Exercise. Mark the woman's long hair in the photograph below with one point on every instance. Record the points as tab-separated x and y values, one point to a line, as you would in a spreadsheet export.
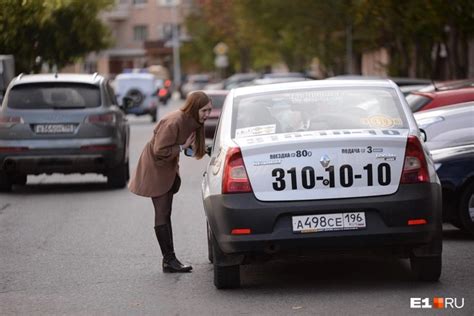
194	102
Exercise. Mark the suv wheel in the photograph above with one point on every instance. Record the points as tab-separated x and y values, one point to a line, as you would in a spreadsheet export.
5	182
466	209
117	177
426	268
225	277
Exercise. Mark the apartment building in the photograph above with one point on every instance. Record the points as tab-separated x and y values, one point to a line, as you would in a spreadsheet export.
142	31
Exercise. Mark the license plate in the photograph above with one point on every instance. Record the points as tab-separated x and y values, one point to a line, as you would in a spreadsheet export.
328	222
54	128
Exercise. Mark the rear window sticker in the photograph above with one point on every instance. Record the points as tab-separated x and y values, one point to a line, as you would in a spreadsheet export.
381	121
255	130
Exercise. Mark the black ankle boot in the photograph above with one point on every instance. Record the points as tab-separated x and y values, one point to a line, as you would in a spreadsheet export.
170	262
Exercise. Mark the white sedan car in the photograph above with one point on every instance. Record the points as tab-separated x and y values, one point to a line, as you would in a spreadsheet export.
320	165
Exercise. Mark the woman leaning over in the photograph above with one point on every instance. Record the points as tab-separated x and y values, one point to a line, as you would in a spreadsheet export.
157	173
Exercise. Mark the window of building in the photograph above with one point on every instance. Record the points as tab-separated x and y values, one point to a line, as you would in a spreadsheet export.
140	33
135	2
168	3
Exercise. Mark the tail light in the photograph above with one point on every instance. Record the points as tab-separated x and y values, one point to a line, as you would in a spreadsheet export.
162	93
415	168
235	178
101	119
12	149
9	121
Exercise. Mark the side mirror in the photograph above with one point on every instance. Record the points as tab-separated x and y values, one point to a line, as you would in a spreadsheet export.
189	152
423	135
127	102
208	150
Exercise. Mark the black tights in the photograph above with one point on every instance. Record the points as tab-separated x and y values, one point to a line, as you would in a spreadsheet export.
163	205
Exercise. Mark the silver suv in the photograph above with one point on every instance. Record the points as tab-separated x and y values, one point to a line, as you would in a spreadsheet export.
62	123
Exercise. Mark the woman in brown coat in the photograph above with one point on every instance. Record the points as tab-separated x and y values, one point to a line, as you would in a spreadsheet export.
157	173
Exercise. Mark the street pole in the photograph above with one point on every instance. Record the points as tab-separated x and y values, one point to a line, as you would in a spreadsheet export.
349	67
176	61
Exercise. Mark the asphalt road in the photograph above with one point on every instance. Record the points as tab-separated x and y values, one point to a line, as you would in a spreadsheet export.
69	245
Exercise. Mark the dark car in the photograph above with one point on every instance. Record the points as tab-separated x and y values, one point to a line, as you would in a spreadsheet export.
193	83
316	166
450	137
62	123
455	168
218	98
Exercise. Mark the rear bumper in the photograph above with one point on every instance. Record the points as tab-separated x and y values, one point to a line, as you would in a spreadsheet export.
74	156
271	222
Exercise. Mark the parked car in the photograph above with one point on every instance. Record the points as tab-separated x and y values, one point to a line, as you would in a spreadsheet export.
62	123
239	79
450	136
193	83
455	167
315	166
143	89
217	98
400	81
425	100
448	126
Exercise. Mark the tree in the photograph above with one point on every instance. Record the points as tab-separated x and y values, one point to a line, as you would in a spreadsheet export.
56	32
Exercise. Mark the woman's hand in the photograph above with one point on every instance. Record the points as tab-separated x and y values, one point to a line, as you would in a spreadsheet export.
190	140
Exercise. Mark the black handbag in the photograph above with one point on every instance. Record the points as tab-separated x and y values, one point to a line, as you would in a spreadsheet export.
176	184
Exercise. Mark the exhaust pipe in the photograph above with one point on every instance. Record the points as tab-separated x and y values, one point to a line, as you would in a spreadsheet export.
271	248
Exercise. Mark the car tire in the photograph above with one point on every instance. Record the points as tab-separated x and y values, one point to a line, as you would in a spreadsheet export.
225	277
466	206
6	182
117	177
137	97
154	118
426	268
210	255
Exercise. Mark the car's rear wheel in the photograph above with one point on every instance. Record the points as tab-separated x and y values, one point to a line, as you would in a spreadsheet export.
117	177
225	277
6	182
154	117
466	209
426	268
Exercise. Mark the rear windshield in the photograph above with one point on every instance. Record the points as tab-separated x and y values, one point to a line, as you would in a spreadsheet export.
54	96
317	109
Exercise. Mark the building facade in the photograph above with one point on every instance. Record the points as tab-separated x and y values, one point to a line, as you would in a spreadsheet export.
142	31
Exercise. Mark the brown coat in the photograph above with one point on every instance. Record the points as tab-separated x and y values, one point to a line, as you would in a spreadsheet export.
158	163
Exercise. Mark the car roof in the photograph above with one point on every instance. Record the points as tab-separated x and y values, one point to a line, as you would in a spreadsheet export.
313	84
400	81
58	77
